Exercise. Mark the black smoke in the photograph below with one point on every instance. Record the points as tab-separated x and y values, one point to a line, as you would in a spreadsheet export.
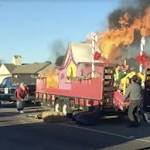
143	4
115	16
134	8
57	50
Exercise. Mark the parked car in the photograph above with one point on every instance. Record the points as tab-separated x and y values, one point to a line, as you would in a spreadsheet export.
7	90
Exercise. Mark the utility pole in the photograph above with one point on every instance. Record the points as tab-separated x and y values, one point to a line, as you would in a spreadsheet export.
141	53
94	41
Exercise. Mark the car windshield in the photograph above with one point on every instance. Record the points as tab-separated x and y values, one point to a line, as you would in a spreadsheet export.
7	82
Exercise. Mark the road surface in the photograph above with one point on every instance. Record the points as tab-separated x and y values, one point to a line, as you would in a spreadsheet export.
23	132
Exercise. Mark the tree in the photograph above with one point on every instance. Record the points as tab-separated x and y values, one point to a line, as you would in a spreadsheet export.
49	62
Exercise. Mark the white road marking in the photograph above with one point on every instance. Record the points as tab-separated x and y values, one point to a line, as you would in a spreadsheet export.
98	131
143	140
106	133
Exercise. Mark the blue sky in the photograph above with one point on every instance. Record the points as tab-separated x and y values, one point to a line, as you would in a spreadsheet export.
31	28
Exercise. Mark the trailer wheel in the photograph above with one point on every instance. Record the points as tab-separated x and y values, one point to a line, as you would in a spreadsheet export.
65	109
57	106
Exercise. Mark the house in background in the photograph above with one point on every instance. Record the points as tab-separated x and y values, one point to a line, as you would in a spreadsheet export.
47	71
17	60
6	71
28	73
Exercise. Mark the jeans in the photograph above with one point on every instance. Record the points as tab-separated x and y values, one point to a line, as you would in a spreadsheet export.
20	105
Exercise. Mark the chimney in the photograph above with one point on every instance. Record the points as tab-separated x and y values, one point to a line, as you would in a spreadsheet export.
17	60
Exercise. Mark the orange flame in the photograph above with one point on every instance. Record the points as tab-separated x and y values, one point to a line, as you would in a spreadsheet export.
52	79
111	41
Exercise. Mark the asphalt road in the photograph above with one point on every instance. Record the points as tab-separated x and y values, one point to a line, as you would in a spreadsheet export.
22	132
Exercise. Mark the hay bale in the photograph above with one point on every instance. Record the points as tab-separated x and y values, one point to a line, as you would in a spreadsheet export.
51	113
38	116
50	116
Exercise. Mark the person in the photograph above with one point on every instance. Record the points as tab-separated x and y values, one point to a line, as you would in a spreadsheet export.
20	94
134	94
142	110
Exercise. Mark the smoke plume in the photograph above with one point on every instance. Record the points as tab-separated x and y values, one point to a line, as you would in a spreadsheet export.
57	49
127	25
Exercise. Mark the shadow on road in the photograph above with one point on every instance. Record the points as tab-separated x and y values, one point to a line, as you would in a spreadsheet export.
13	104
8	114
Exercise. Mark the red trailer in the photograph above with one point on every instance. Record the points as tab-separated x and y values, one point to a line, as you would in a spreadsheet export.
82	93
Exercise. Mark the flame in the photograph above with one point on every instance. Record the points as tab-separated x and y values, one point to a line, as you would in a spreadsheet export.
111	41
52	79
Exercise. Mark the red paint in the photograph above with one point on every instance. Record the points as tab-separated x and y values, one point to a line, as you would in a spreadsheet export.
143	59
97	55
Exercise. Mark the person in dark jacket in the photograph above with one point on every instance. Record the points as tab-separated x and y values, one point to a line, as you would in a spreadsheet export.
20	93
134	94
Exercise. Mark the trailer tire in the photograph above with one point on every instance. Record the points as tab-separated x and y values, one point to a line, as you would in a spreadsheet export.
57	106
64	109
67	109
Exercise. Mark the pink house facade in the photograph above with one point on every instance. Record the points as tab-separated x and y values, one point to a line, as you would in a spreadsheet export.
77	65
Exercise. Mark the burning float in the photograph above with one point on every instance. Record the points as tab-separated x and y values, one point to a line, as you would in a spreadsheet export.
87	80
